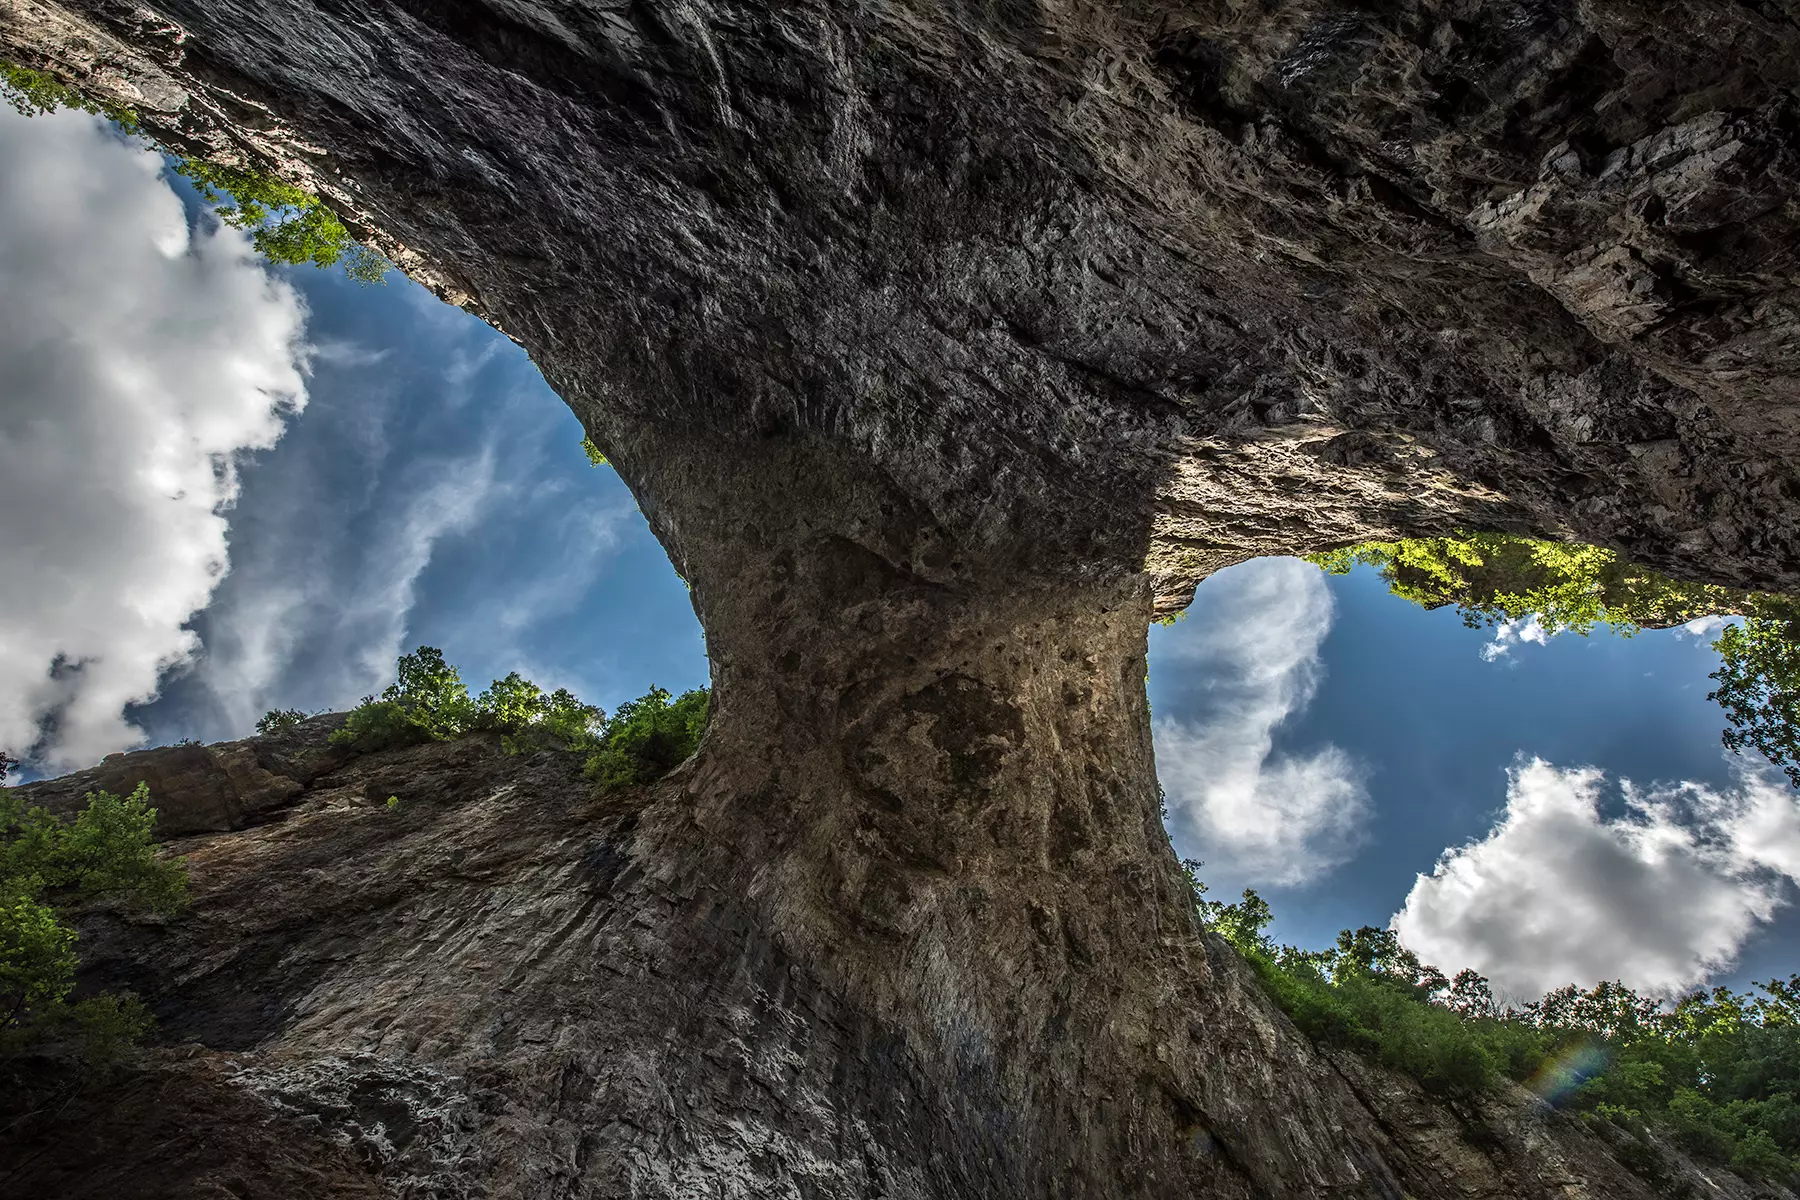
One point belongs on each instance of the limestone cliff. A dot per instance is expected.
(942, 344)
(422, 1000)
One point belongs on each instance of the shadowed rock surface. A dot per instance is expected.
(425, 1000)
(942, 345)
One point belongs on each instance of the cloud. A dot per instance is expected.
(1256, 816)
(140, 360)
(1508, 634)
(1701, 627)
(335, 596)
(1660, 895)
(390, 518)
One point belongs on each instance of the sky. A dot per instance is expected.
(228, 487)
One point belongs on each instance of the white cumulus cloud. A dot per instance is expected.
(1508, 634)
(1701, 627)
(1660, 894)
(1257, 816)
(138, 361)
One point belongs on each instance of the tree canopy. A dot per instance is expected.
(428, 701)
(1496, 577)
(1717, 1072)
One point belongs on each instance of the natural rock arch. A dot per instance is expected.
(944, 344)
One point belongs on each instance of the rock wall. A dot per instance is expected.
(505, 986)
(944, 344)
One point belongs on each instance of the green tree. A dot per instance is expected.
(45, 862)
(1495, 577)
(647, 738)
(277, 719)
(426, 702)
(1718, 1072)
(285, 224)
(1759, 687)
(594, 454)
(529, 719)
(33, 93)
(429, 702)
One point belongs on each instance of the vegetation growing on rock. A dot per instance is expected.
(1759, 688)
(34, 93)
(46, 864)
(648, 737)
(285, 224)
(277, 719)
(1717, 1072)
(1496, 577)
(428, 701)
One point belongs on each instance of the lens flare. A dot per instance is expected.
(1567, 1069)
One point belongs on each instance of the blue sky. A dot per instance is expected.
(288, 478)
(433, 492)
(1431, 728)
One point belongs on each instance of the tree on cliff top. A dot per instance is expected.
(286, 225)
(428, 701)
(1496, 577)
(1759, 688)
(1716, 1072)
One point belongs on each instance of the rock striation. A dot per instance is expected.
(943, 344)
(488, 989)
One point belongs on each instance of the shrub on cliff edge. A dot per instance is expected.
(46, 862)
(648, 737)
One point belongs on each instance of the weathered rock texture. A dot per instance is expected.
(942, 344)
(506, 986)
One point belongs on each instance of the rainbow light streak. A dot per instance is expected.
(1568, 1069)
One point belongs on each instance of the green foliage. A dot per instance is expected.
(429, 702)
(33, 93)
(285, 224)
(393, 802)
(1495, 577)
(648, 737)
(1372, 995)
(105, 852)
(595, 457)
(1759, 687)
(529, 719)
(644, 740)
(1717, 1072)
(426, 702)
(277, 719)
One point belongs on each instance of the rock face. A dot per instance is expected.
(204, 789)
(943, 344)
(506, 986)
